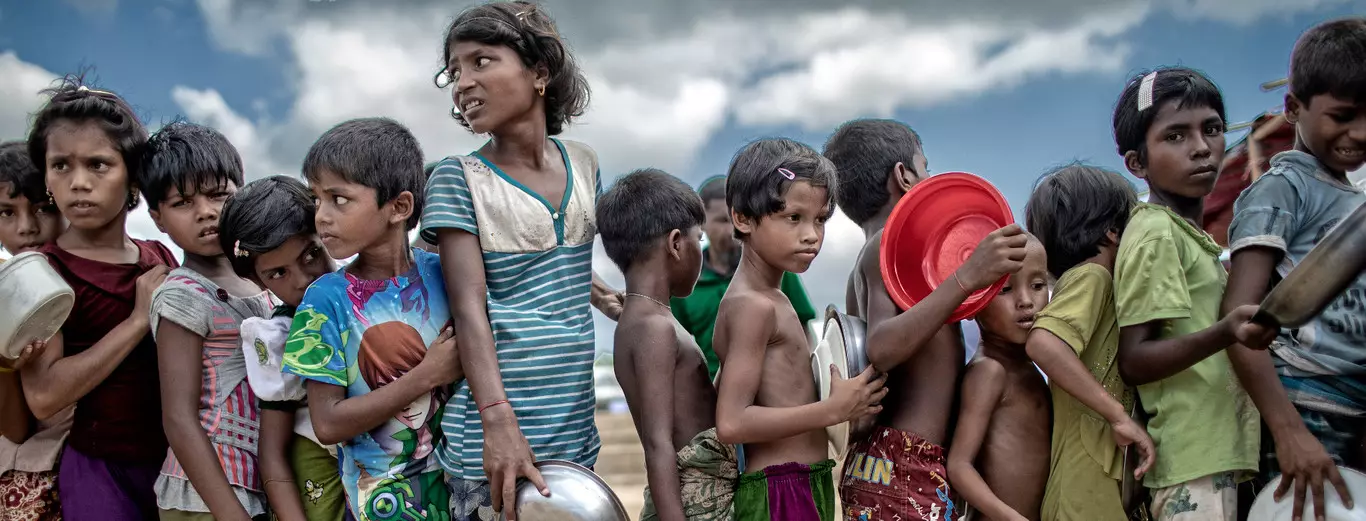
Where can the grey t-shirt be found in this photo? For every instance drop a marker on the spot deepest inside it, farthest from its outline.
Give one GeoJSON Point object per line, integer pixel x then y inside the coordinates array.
{"type": "Point", "coordinates": [1291, 208]}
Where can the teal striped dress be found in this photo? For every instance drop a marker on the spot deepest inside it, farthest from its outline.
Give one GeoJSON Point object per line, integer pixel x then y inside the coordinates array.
{"type": "Point", "coordinates": [538, 264]}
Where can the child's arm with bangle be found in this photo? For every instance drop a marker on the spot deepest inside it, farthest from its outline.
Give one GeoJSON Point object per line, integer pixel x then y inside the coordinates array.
{"type": "Point", "coordinates": [277, 430]}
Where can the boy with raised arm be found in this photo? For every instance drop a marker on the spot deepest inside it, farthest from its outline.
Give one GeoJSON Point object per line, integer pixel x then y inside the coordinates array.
{"type": "Point", "coordinates": [878, 162]}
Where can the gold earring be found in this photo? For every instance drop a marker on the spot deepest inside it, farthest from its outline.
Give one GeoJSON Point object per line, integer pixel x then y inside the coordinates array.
{"type": "Point", "coordinates": [541, 91]}
{"type": "Point", "coordinates": [133, 200]}
{"type": "Point", "coordinates": [50, 200]}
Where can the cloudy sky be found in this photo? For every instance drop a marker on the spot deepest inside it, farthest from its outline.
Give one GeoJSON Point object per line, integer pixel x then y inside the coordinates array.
{"type": "Point", "coordinates": [1003, 89]}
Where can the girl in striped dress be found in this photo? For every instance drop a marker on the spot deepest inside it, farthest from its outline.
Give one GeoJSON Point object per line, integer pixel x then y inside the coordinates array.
{"type": "Point", "coordinates": [210, 413]}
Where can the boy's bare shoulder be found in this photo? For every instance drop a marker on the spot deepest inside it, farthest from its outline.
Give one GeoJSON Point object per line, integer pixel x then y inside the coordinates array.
{"type": "Point", "coordinates": [870, 258]}
{"type": "Point", "coordinates": [648, 331]}
{"type": "Point", "coordinates": [745, 301]}
{"type": "Point", "coordinates": [985, 374]}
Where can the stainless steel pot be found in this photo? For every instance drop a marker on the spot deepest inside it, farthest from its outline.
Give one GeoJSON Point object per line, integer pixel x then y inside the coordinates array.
{"type": "Point", "coordinates": [1323, 275]}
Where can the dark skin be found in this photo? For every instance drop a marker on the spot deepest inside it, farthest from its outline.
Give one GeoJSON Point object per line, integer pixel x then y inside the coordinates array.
{"type": "Point", "coordinates": [723, 250]}
{"type": "Point", "coordinates": [349, 222]}
{"type": "Point", "coordinates": [1328, 128]}
{"type": "Point", "coordinates": [191, 220]}
{"type": "Point", "coordinates": [287, 272]}
{"type": "Point", "coordinates": [1066, 370]}
{"type": "Point", "coordinates": [1000, 452]}
{"type": "Point", "coordinates": [90, 184]}
{"type": "Point", "coordinates": [664, 379]}
{"type": "Point", "coordinates": [16, 423]}
{"type": "Point", "coordinates": [1185, 147]}
{"type": "Point", "coordinates": [920, 401]}
{"type": "Point", "coordinates": [24, 226]}
{"type": "Point", "coordinates": [499, 95]}
{"type": "Point", "coordinates": [765, 400]}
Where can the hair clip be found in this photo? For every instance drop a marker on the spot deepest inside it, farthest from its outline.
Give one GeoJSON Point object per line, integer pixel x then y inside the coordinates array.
{"type": "Point", "coordinates": [787, 173]}
{"type": "Point", "coordinates": [238, 251]}
{"type": "Point", "coordinates": [1145, 91]}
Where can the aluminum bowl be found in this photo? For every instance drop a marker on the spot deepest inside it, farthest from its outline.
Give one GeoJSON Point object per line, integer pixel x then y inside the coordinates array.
{"type": "Point", "coordinates": [842, 345]}
{"type": "Point", "coordinates": [37, 302]}
{"type": "Point", "coordinates": [1322, 276]}
{"type": "Point", "coordinates": [576, 494]}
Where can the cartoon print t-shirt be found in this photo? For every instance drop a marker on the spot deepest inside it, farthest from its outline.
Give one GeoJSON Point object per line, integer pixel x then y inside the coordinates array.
{"type": "Point", "coordinates": [362, 335]}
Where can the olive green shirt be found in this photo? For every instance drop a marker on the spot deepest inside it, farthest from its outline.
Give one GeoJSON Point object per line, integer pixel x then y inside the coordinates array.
{"type": "Point", "coordinates": [1200, 419]}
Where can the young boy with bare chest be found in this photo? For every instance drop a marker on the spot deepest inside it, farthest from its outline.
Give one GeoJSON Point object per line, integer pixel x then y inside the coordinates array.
{"type": "Point", "coordinates": [779, 192]}
{"type": "Point", "coordinates": [878, 162]}
{"type": "Point", "coordinates": [650, 224]}
{"type": "Point", "coordinates": [999, 457]}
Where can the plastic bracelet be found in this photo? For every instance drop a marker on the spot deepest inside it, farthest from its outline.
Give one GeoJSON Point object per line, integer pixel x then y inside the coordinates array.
{"type": "Point", "coordinates": [960, 284]}
{"type": "Point", "coordinates": [499, 402]}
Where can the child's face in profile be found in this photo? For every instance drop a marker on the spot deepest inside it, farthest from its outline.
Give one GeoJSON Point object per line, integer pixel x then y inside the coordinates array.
{"type": "Point", "coordinates": [287, 271]}
{"type": "Point", "coordinates": [790, 239]}
{"type": "Point", "coordinates": [1333, 129]}
{"type": "Point", "coordinates": [720, 232]}
{"type": "Point", "coordinates": [687, 267]}
{"type": "Point", "coordinates": [86, 174]}
{"type": "Point", "coordinates": [1185, 150]}
{"type": "Point", "coordinates": [1009, 317]}
{"type": "Point", "coordinates": [26, 225]}
{"type": "Point", "coordinates": [349, 219]}
{"type": "Point", "coordinates": [191, 219]}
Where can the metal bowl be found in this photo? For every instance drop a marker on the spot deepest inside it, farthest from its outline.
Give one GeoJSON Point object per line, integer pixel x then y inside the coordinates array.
{"type": "Point", "coordinates": [576, 494]}
{"type": "Point", "coordinates": [841, 345]}
{"type": "Point", "coordinates": [37, 302]}
{"type": "Point", "coordinates": [1321, 277]}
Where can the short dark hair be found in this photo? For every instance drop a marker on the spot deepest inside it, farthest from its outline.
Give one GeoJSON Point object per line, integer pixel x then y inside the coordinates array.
{"type": "Point", "coordinates": [755, 188]}
{"type": "Point", "coordinates": [641, 208]}
{"type": "Point", "coordinates": [1188, 88]}
{"type": "Point", "coordinates": [378, 153]}
{"type": "Point", "coordinates": [187, 157]}
{"type": "Point", "coordinates": [525, 28]}
{"type": "Point", "coordinates": [19, 171]}
{"type": "Point", "coordinates": [1071, 209]}
{"type": "Point", "coordinates": [74, 100]}
{"type": "Point", "coordinates": [712, 189]}
{"type": "Point", "coordinates": [1327, 59]}
{"type": "Point", "coordinates": [261, 216]}
{"type": "Point", "coordinates": [864, 152]}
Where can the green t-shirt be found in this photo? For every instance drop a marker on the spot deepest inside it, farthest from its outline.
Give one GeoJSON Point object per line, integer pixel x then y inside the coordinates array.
{"type": "Point", "coordinates": [697, 312]}
{"type": "Point", "coordinates": [1086, 466]}
{"type": "Point", "coordinates": [1201, 419]}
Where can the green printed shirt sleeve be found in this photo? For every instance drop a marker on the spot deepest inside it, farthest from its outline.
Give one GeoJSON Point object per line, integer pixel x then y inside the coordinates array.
{"type": "Point", "coordinates": [1078, 301]}
{"type": "Point", "coordinates": [792, 287]}
{"type": "Point", "coordinates": [316, 348]}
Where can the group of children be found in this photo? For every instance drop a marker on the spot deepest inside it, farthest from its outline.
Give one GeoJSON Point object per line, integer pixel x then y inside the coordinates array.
{"type": "Point", "coordinates": [252, 377]}
{"type": "Point", "coordinates": [1156, 366]}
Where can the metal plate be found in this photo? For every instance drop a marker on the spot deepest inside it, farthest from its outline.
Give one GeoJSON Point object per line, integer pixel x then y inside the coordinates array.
{"type": "Point", "coordinates": [576, 494]}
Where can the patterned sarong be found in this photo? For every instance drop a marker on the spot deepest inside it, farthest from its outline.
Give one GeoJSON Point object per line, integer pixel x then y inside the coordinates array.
{"type": "Point", "coordinates": [708, 473]}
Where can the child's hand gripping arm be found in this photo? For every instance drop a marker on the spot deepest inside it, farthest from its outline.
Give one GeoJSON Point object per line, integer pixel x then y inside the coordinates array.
{"type": "Point", "coordinates": [1303, 461]}
{"type": "Point", "coordinates": [179, 360]}
{"type": "Point", "coordinates": [1142, 308]}
{"type": "Point", "coordinates": [895, 337]}
{"type": "Point", "coordinates": [337, 418]}
{"type": "Point", "coordinates": [747, 324]}
{"type": "Point", "coordinates": [54, 381]}
{"type": "Point", "coordinates": [1061, 332]}
{"type": "Point", "coordinates": [652, 361]}
{"type": "Point", "coordinates": [983, 387]}
{"type": "Point", "coordinates": [16, 423]}
{"type": "Point", "coordinates": [1060, 363]}
{"type": "Point", "coordinates": [606, 299]}
{"type": "Point", "coordinates": [277, 430]}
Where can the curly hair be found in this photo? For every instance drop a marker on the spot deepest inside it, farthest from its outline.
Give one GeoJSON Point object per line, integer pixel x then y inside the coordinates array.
{"type": "Point", "coordinates": [525, 28]}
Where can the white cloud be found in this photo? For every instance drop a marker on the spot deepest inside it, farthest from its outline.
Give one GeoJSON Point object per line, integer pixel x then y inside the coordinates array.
{"type": "Point", "coordinates": [20, 82]}
{"type": "Point", "coordinates": [1244, 11]}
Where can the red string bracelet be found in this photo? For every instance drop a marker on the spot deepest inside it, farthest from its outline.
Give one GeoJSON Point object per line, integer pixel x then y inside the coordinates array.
{"type": "Point", "coordinates": [499, 402]}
